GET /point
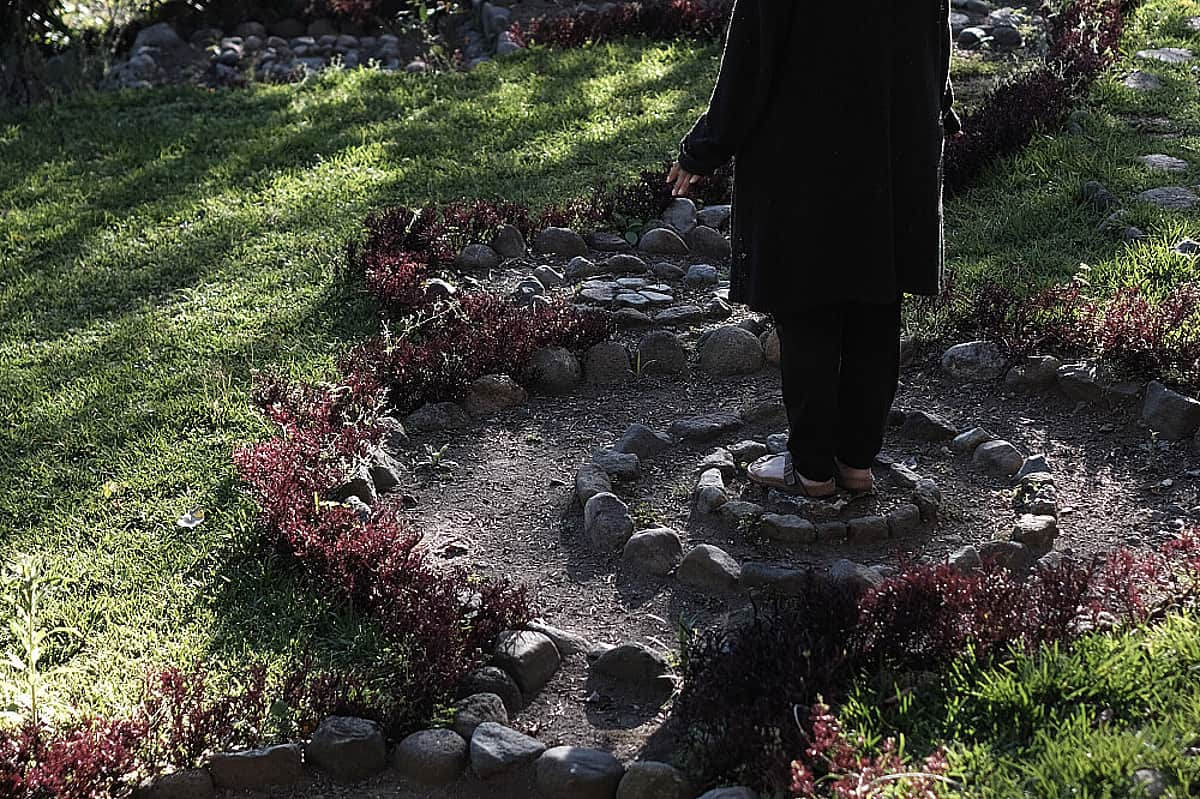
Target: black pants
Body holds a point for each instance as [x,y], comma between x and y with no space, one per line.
[840,366]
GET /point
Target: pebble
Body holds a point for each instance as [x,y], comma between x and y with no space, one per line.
[661,352]
[569,772]
[1011,555]
[771,347]
[607,523]
[648,779]
[998,458]
[730,351]
[642,441]
[656,551]
[498,750]
[709,568]
[432,757]
[628,319]
[1149,783]
[348,748]
[1173,415]
[1187,247]
[974,360]
[606,364]
[494,680]
[662,241]
[473,710]
[549,276]
[529,656]
[560,241]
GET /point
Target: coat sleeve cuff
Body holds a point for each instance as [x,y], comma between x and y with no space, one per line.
[691,163]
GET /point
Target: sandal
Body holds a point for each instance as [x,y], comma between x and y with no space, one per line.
[859,481]
[776,471]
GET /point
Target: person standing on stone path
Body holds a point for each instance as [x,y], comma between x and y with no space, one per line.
[836,125]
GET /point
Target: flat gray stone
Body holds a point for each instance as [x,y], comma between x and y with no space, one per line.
[530,657]
[709,568]
[661,352]
[1172,198]
[999,458]
[635,665]
[648,779]
[1035,531]
[710,491]
[591,480]
[494,680]
[569,772]
[642,441]
[348,748]
[927,427]
[775,579]
[492,394]
[679,316]
[631,300]
[1167,55]
[788,529]
[1142,81]
[974,360]
[560,241]
[731,351]
[904,475]
[715,216]
[473,710]
[253,769]
[1173,415]
[497,750]
[904,520]
[192,783]
[966,443]
[607,363]
[662,241]
[868,528]
[656,551]
[1163,163]
[606,522]
[705,427]
[1033,373]
[432,757]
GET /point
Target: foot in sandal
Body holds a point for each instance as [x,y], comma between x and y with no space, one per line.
[776,471]
[860,481]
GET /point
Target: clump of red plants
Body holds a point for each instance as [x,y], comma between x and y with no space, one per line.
[701,19]
[182,717]
[797,653]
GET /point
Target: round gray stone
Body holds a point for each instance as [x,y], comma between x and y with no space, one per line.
[661,352]
[530,657]
[607,524]
[714,216]
[607,363]
[1035,531]
[635,665]
[554,370]
[709,568]
[702,276]
[680,214]
[494,680]
[731,351]
[966,443]
[473,710]
[491,394]
[432,757]
[662,241]
[1163,163]
[477,258]
[656,551]
[648,779]
[569,772]
[508,242]
[974,360]
[998,458]
[710,491]
[350,749]
[708,243]
[560,241]
[497,750]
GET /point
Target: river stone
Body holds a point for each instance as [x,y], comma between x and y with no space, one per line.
[709,568]
[348,748]
[560,241]
[554,370]
[656,551]
[432,757]
[509,242]
[731,351]
[714,216]
[966,443]
[1174,198]
[1033,373]
[530,657]
[680,214]
[1038,532]
[702,276]
[661,352]
[257,768]
[974,360]
[625,264]
[904,520]
[1142,81]
[569,772]
[580,267]
[648,779]
[1167,55]
[192,783]
[494,680]
[491,394]
[788,529]
[608,242]
[498,750]
[708,243]
[473,710]
[1173,415]
[591,480]
[607,363]
[642,441]
[635,665]
[868,528]
[927,427]
[999,458]
[477,257]
[679,316]
[607,523]
[662,241]
[697,429]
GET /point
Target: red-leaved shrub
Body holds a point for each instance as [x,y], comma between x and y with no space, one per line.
[705,19]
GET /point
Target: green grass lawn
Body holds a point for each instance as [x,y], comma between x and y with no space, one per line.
[158,246]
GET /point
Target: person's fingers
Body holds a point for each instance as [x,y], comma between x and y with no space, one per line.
[695,179]
[673,172]
[681,184]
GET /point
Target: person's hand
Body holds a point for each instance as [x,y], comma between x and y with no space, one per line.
[682,180]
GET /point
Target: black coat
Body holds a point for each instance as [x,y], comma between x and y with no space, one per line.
[837,120]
